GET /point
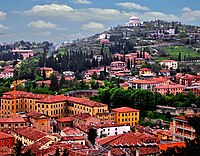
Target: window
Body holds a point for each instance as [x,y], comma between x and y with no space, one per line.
[115,133]
[116,129]
[122,114]
[122,120]
[16,125]
[47,106]
[7,140]
[2,125]
[108,129]
[108,133]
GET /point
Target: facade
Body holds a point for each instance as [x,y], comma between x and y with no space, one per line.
[112,129]
[39,121]
[48,71]
[28,135]
[181,129]
[50,105]
[169,64]
[171,89]
[126,115]
[11,123]
[64,122]
[25,53]
[118,64]
[144,84]
[145,72]
[6,140]
[79,105]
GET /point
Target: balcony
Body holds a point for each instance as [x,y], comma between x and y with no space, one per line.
[185,128]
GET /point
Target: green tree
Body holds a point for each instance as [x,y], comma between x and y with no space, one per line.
[92,134]
[65,152]
[57,153]
[62,81]
[54,83]
[17,149]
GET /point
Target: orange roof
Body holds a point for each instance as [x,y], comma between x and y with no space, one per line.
[53,99]
[169,86]
[144,82]
[145,69]
[86,102]
[65,119]
[5,136]
[46,68]
[124,110]
[172,144]
[168,61]
[12,120]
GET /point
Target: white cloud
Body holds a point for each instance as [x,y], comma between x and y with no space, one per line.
[132,6]
[2,27]
[43,33]
[2,15]
[157,15]
[65,12]
[190,15]
[82,1]
[49,10]
[93,26]
[40,24]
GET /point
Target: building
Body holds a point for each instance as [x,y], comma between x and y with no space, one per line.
[79,105]
[25,53]
[6,140]
[145,72]
[11,123]
[170,64]
[118,64]
[85,118]
[144,84]
[64,122]
[126,115]
[51,105]
[48,71]
[104,129]
[28,135]
[171,89]
[181,128]
[164,72]
[39,121]
[133,21]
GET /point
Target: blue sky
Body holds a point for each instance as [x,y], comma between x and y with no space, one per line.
[63,20]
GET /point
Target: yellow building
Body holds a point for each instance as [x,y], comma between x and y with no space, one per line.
[48,71]
[50,105]
[126,115]
[145,71]
[79,105]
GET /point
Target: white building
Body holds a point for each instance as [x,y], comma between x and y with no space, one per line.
[169,64]
[133,21]
[112,129]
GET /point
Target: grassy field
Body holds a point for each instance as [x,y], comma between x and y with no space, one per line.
[174,51]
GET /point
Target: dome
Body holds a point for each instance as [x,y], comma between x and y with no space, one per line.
[133,18]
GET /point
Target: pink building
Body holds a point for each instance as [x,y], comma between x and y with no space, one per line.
[172,89]
[25,53]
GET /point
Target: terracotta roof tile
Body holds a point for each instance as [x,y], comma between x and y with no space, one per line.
[65,119]
[171,144]
[5,136]
[12,120]
[124,110]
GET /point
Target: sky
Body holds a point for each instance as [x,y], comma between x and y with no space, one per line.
[64,20]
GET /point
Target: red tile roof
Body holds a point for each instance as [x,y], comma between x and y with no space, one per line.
[124,110]
[85,102]
[168,61]
[30,133]
[46,68]
[106,140]
[72,138]
[171,144]
[150,150]
[65,119]
[5,136]
[70,131]
[83,116]
[12,120]
[34,114]
[145,69]
[169,86]
[144,82]
[53,99]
